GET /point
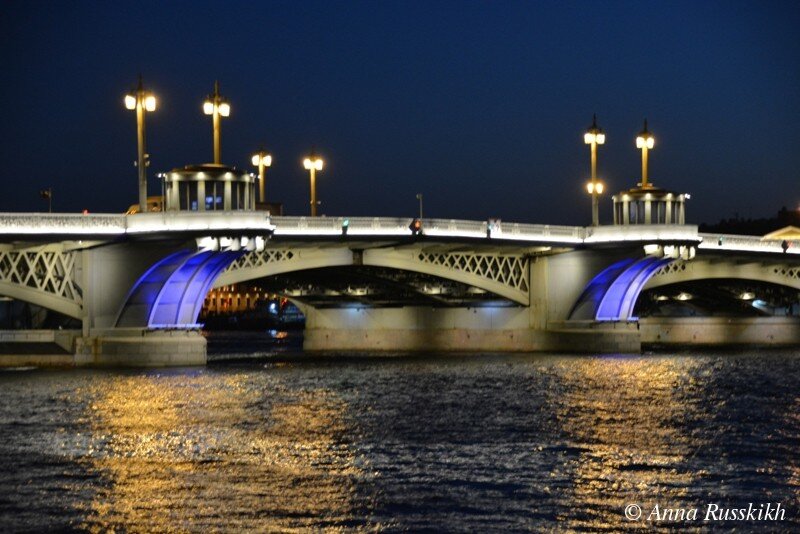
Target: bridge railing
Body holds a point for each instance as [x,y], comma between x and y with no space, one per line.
[746,243]
[454,228]
[333,225]
[539,232]
[62,224]
[197,221]
[500,230]
[431,227]
[642,233]
[69,224]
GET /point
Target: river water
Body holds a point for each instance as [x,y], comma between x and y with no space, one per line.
[526,442]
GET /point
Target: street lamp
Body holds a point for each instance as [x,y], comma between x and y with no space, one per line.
[594,136]
[645,141]
[312,164]
[216,106]
[141,101]
[261,160]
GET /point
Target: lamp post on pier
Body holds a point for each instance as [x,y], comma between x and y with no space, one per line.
[142,101]
[312,164]
[217,107]
[594,136]
[262,160]
[645,141]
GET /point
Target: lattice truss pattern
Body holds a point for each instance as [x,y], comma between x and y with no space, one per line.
[792,273]
[511,271]
[670,268]
[51,272]
[258,259]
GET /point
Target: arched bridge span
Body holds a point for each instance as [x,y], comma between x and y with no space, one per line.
[505,275]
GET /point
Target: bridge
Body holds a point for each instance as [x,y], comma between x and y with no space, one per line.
[137,282]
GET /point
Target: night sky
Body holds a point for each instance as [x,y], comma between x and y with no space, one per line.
[481,106]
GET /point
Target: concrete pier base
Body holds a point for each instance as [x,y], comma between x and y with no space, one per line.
[721,331]
[595,337]
[142,348]
[489,329]
[37,348]
[115,347]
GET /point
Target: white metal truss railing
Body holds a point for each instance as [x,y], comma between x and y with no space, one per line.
[49,271]
[511,271]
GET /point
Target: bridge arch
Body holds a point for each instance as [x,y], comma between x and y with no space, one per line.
[783,274]
[503,275]
[171,292]
[611,295]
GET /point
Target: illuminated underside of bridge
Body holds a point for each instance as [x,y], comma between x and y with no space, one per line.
[723,297]
[336,287]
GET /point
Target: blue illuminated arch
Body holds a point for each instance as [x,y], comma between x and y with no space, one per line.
[171,292]
[612,294]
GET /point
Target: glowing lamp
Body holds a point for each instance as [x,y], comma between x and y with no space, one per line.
[208,107]
[310,164]
[262,159]
[642,142]
[130,102]
[595,187]
[594,137]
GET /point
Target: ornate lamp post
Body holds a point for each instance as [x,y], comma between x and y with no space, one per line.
[594,136]
[217,107]
[645,141]
[312,164]
[262,160]
[141,101]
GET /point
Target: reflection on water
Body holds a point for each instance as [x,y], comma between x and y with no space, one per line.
[526,442]
[172,447]
[626,423]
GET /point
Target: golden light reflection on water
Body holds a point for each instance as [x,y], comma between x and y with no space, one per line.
[625,419]
[191,453]
[793,466]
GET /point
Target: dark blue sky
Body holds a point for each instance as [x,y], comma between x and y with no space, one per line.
[481,106]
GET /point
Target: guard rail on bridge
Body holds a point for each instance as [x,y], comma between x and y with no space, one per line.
[47,225]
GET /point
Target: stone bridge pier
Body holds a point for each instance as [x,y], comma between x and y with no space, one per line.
[126,285]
